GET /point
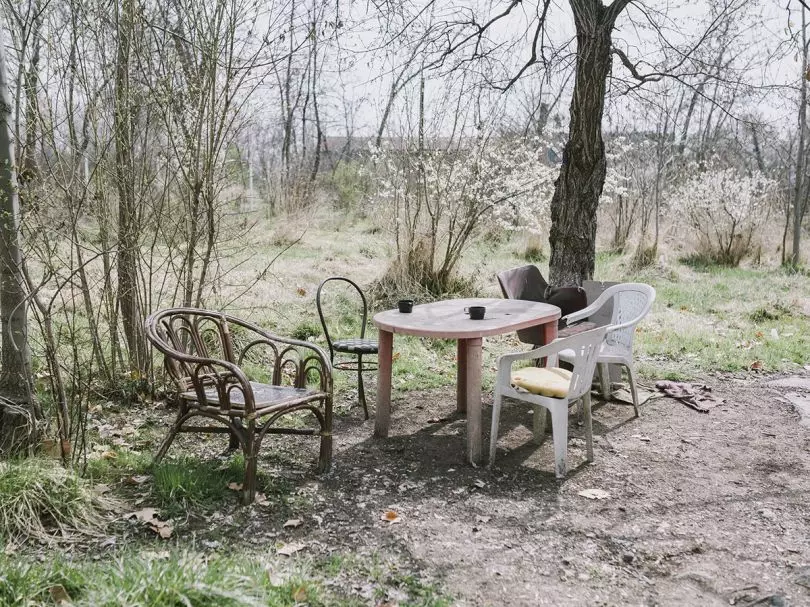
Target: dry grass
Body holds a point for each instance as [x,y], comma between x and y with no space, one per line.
[41,500]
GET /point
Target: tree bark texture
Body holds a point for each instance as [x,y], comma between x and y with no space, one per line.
[582,174]
[18,413]
[799,194]
[128,250]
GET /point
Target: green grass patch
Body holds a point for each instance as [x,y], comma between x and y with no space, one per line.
[174,578]
[157,580]
[113,469]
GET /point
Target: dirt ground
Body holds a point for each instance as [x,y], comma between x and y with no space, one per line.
[702,509]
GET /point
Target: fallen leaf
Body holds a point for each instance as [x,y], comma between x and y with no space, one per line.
[144,515]
[59,595]
[293,522]
[165,531]
[594,494]
[390,516]
[301,291]
[480,484]
[641,437]
[299,595]
[163,528]
[235,486]
[139,479]
[290,549]
[149,516]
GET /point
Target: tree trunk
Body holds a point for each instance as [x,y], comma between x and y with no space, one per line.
[128,253]
[798,193]
[18,412]
[582,174]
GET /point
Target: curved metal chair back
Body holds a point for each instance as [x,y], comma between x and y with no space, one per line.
[355,347]
[318,304]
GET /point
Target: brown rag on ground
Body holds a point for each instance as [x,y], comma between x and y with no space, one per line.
[694,396]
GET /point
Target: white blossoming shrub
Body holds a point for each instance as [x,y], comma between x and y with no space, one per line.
[436,202]
[725,208]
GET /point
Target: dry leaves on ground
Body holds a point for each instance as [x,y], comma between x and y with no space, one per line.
[59,595]
[390,516]
[594,494]
[149,517]
[290,549]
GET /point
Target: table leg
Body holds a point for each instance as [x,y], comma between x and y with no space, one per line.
[550,332]
[461,377]
[549,335]
[382,415]
[473,398]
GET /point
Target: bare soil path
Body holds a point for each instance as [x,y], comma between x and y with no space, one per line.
[703,509]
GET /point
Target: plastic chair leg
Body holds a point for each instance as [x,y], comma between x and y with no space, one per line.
[559,423]
[586,404]
[539,423]
[604,380]
[633,388]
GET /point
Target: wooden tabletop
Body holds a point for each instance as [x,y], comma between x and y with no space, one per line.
[446,319]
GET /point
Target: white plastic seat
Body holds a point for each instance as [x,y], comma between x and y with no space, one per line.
[584,347]
[631,303]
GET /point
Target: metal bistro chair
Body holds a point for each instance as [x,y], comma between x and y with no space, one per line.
[551,388]
[353,346]
[209,354]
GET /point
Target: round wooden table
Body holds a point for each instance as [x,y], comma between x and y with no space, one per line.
[447,320]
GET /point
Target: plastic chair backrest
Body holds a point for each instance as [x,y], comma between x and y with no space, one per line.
[632,301]
[525,282]
[585,346]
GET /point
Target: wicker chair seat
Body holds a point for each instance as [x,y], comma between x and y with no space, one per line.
[356,345]
[266,397]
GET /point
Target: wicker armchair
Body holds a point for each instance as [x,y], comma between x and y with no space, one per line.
[209,355]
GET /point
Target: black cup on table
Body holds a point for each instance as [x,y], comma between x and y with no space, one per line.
[476,312]
[405,305]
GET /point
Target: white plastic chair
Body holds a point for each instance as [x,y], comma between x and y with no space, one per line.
[631,303]
[584,347]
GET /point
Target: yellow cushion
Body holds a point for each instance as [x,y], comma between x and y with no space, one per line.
[546,381]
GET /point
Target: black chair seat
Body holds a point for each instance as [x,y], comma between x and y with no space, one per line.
[356,345]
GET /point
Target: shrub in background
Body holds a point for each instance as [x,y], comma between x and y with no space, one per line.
[725,208]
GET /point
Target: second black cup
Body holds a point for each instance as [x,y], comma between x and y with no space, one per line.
[405,305]
[476,312]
